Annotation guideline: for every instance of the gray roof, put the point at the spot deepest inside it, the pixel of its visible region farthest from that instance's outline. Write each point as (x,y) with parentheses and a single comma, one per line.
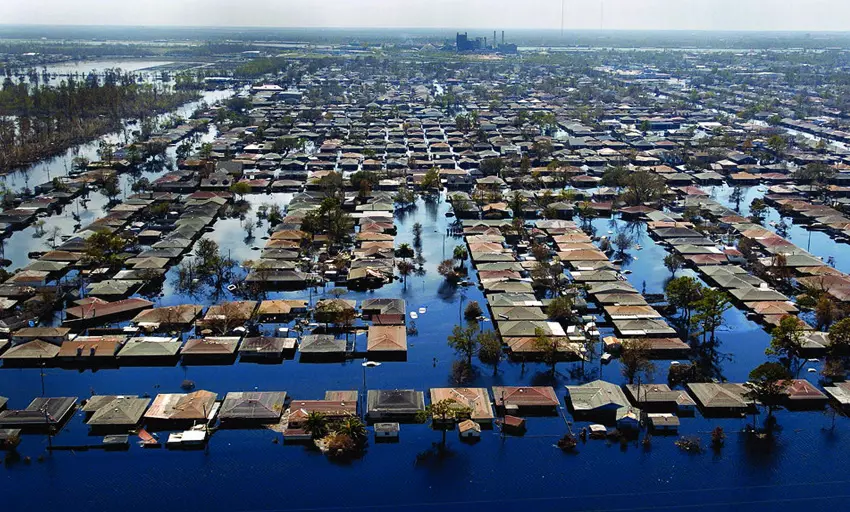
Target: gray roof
(321,344)
(383,306)
(597,395)
(713,395)
(145,348)
(265,405)
(120,410)
(395,401)
(39,412)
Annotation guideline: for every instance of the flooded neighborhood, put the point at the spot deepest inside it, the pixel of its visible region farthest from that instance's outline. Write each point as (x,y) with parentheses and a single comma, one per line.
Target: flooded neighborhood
(484,267)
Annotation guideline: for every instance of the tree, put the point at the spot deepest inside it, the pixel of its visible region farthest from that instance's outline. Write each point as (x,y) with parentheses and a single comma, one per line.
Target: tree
(353,428)
(643,187)
(464,342)
(316,425)
(141,185)
(623,242)
(206,150)
(446,268)
(767,385)
(460,254)
(490,349)
(241,189)
(839,337)
(635,359)
(825,312)
(516,203)
(103,248)
(709,312)
(674,262)
(404,251)
(472,311)
(560,308)
(492,166)
(443,415)
(786,341)
(777,144)
(682,293)
(431,180)
(111,187)
(758,209)
(405,268)
(548,347)
(614,177)
(106,151)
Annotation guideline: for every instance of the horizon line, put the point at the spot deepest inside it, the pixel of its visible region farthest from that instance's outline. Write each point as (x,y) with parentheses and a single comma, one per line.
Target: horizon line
(434,28)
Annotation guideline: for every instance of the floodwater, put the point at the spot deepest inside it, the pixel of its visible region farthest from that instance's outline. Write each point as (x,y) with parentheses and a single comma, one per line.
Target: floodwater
(245,470)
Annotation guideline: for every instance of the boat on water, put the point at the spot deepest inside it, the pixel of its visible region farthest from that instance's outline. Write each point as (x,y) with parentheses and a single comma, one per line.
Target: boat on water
(413,315)
(422,311)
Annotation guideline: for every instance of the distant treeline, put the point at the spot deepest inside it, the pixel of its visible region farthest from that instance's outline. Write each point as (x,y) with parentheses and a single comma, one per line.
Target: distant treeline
(38,122)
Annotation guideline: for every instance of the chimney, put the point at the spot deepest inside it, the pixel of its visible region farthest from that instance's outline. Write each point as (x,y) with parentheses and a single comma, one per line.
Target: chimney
(494,39)
(503,37)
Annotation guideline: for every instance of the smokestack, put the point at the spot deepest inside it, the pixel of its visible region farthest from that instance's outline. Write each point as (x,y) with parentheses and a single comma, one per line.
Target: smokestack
(503,37)
(485,41)
(494,39)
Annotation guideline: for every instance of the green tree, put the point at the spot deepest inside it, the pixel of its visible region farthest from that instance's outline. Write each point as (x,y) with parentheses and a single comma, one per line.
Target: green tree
(103,248)
(674,262)
(548,347)
(635,358)
(240,189)
(786,341)
(839,337)
(767,385)
(709,312)
(443,415)
(490,349)
(643,187)
(683,293)
(431,180)
(560,308)
(464,342)
(316,425)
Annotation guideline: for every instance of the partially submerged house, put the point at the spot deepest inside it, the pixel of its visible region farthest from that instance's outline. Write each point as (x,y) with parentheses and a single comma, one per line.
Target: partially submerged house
(526,399)
(387,341)
(598,400)
(115,412)
(400,404)
(252,407)
(40,414)
(720,399)
(477,400)
(182,408)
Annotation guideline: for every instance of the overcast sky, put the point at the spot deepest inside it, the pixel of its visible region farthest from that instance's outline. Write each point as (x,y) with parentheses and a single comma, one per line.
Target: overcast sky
(807,15)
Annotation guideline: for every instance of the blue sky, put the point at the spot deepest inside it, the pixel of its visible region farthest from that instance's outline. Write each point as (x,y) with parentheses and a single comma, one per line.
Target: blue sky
(807,15)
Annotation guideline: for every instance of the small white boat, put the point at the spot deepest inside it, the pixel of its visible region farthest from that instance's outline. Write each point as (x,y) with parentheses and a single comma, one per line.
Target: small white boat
(812,370)
(413,315)
(422,311)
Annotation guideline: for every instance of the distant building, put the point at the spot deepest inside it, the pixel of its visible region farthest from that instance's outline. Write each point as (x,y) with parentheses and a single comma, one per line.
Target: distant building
(464,44)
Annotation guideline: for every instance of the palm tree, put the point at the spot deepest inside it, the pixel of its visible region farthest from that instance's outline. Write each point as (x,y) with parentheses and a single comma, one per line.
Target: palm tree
(460,254)
(352,427)
(405,268)
(404,251)
(316,425)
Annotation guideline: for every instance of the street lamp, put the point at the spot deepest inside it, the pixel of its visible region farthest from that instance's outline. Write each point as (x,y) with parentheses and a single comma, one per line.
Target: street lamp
(366,364)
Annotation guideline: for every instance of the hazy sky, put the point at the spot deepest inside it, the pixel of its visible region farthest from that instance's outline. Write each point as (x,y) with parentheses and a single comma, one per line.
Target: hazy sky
(581,14)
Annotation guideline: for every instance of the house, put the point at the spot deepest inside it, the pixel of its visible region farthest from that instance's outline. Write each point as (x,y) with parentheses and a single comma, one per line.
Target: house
(92,350)
(265,348)
(402,404)
(801,394)
(94,311)
(388,341)
(528,399)
(469,430)
(598,399)
(107,412)
(197,406)
(210,349)
(383,306)
(30,352)
(39,414)
(660,398)
(332,409)
(56,335)
(168,318)
(322,347)
(386,431)
(513,424)
(252,407)
(477,400)
(720,399)
(150,349)
(662,422)
(840,392)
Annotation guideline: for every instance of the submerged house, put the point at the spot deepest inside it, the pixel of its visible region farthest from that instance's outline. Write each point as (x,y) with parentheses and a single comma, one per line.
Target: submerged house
(599,400)
(252,407)
(180,408)
(387,341)
(108,412)
(526,399)
(317,347)
(39,414)
(401,404)
(477,400)
(720,399)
